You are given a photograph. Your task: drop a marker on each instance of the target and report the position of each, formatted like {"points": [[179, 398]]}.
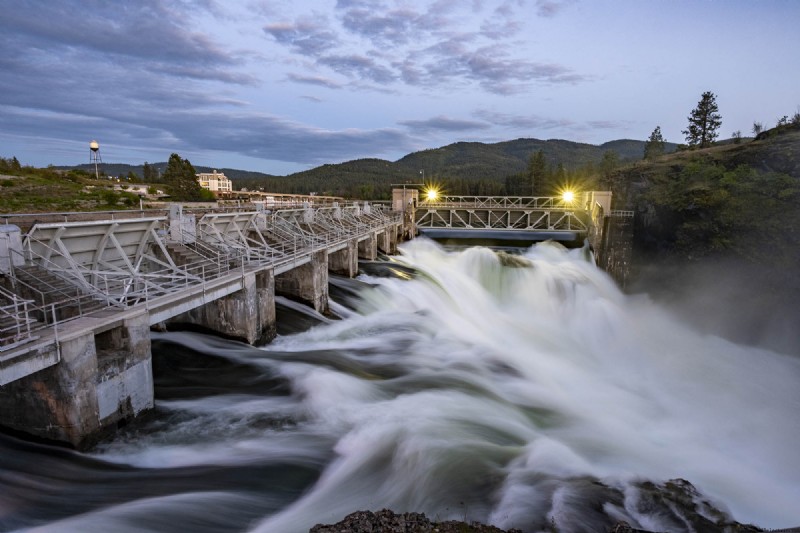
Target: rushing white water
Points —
{"points": [[493, 388]]}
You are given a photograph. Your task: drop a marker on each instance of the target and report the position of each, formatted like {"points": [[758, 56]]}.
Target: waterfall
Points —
{"points": [[520, 390]]}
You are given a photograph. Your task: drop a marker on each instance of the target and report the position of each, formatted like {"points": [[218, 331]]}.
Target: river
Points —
{"points": [[519, 390]]}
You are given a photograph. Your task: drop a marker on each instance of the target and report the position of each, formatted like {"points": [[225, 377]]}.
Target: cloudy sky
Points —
{"points": [[281, 86]]}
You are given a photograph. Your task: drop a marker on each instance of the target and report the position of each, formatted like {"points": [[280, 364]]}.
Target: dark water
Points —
{"points": [[523, 392]]}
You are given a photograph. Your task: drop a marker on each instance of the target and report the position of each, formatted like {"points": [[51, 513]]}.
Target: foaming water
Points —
{"points": [[523, 391]]}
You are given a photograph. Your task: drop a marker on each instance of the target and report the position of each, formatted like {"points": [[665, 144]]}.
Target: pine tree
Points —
{"points": [[608, 165], [149, 173], [704, 122], [654, 146], [181, 180], [537, 172]]}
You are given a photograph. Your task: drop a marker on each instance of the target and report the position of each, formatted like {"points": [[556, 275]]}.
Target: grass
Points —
{"points": [[30, 190]]}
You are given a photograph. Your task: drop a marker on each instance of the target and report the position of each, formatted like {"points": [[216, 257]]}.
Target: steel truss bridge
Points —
{"points": [[507, 218], [69, 269]]}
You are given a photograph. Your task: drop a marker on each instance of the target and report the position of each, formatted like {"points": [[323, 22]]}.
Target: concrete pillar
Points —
{"points": [[103, 380], [307, 283], [265, 290], [614, 254], [385, 240], [393, 237], [247, 314], [345, 261], [368, 248]]}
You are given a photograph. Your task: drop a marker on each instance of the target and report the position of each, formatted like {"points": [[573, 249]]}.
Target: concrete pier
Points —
{"points": [[307, 283], [345, 261], [247, 314], [368, 247], [75, 360], [384, 241], [104, 379]]}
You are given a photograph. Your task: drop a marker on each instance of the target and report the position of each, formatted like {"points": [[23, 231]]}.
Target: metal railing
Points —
{"points": [[15, 320], [68, 290]]}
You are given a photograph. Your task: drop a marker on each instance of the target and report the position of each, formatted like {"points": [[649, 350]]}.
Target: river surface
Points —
{"points": [[524, 391]]}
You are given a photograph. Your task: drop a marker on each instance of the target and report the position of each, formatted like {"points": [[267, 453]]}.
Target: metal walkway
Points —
{"points": [[67, 270]]}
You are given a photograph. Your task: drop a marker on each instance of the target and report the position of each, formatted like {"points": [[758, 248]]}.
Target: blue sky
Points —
{"points": [[278, 86]]}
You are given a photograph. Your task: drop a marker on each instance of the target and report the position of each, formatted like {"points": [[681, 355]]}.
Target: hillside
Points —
{"points": [[717, 234], [463, 168]]}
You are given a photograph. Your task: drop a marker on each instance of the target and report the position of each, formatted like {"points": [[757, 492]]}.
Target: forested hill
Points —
{"points": [[463, 168]]}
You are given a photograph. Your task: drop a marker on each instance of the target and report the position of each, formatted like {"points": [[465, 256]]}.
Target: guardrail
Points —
{"points": [[271, 238], [15, 320]]}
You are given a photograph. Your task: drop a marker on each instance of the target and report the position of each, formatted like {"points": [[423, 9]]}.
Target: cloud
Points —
{"points": [[314, 80], [269, 137], [525, 122], [360, 66], [550, 8], [392, 27], [392, 43], [493, 68], [147, 34], [442, 123], [607, 124], [310, 38]]}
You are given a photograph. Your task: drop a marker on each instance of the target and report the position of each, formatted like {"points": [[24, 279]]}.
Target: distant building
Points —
{"points": [[142, 189], [215, 181]]}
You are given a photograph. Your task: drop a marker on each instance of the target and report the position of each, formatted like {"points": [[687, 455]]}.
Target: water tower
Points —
{"points": [[94, 157]]}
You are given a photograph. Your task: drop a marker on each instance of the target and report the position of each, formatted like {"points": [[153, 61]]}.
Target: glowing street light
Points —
{"points": [[431, 194], [568, 197]]}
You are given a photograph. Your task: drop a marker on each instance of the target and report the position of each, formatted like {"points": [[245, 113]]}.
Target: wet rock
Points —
{"points": [[385, 521]]}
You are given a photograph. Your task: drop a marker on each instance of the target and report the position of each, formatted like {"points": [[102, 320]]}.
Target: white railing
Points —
{"points": [[15, 320], [285, 236]]}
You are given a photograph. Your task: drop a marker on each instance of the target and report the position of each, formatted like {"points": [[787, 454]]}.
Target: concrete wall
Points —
{"points": [[384, 241], [345, 262], [103, 380], [247, 314], [368, 248], [307, 283], [614, 253]]}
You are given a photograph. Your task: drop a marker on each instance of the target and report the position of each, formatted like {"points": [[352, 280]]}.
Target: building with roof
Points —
{"points": [[215, 181]]}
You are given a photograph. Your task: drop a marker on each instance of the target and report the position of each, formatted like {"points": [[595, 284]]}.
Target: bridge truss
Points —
{"points": [[502, 213]]}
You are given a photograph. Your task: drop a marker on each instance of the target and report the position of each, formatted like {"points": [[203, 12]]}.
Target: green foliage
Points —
{"points": [[704, 122], [654, 146], [608, 165], [149, 173], [109, 198], [707, 209], [181, 180], [10, 166]]}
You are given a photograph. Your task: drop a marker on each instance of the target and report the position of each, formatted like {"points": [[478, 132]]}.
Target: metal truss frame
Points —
{"points": [[112, 261], [495, 218]]}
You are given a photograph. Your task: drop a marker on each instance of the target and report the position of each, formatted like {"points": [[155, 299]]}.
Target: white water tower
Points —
{"points": [[94, 156]]}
